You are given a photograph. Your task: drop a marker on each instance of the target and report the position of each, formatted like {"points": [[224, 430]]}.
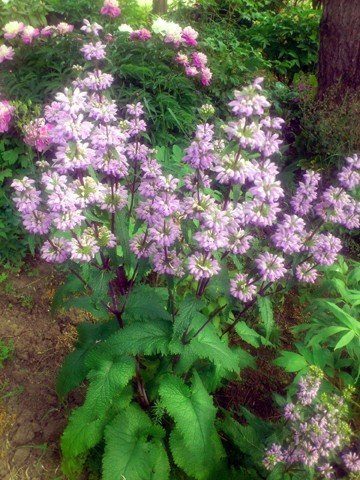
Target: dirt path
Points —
{"points": [[31, 417]]}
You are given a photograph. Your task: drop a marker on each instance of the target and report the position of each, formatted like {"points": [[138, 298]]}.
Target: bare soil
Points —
{"points": [[31, 417]]}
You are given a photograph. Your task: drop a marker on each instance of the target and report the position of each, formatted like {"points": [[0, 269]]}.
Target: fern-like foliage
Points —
{"points": [[194, 442]]}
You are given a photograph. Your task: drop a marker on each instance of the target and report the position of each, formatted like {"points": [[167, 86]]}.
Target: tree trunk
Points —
{"points": [[159, 7], [339, 54]]}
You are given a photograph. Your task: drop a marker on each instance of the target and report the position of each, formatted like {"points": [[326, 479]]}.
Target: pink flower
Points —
{"points": [[205, 76], [141, 35], [189, 36], [12, 29], [63, 28], [111, 8], [47, 31], [29, 34], [6, 115], [37, 134], [6, 53], [199, 60]]}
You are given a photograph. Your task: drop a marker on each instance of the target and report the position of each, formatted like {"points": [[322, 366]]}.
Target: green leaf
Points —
{"points": [[245, 437], [74, 370], [110, 376], [189, 308], [325, 333], [146, 302], [148, 338], [291, 361], [194, 436], [72, 285], [247, 334], [345, 340], [344, 317], [133, 448], [266, 314]]}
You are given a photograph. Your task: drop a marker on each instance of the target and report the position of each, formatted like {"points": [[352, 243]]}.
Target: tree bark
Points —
{"points": [[339, 54], [159, 7]]}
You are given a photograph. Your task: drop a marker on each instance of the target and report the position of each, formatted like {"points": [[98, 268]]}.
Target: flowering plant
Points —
{"points": [[172, 264], [318, 432]]}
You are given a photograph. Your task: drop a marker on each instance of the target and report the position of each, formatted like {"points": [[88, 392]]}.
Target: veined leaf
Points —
{"points": [[195, 435], [133, 448], [146, 302], [247, 334], [145, 338]]}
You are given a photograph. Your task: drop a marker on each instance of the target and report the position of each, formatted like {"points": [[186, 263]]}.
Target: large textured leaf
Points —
{"points": [[195, 436], [133, 448], [84, 431], [106, 394], [148, 338], [74, 370], [146, 302], [110, 376]]}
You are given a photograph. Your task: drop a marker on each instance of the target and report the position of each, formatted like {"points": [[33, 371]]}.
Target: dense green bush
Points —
{"points": [[15, 159], [278, 36]]}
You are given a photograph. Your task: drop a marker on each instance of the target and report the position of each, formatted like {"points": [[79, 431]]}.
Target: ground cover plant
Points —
{"points": [[181, 256]]}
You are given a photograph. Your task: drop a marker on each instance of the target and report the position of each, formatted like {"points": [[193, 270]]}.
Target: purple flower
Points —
{"points": [[189, 36], [273, 456], [29, 33], [142, 35], [202, 266], [55, 250], [270, 266], [38, 134], [352, 461], [242, 287], [325, 248], [94, 51], [37, 222], [306, 272], [84, 248], [93, 28]]}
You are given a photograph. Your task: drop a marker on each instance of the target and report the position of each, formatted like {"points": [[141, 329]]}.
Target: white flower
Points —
{"points": [[124, 27], [171, 30]]}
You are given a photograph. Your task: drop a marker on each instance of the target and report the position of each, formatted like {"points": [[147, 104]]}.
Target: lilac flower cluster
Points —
{"points": [[183, 40], [230, 204], [6, 115], [318, 432]]}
